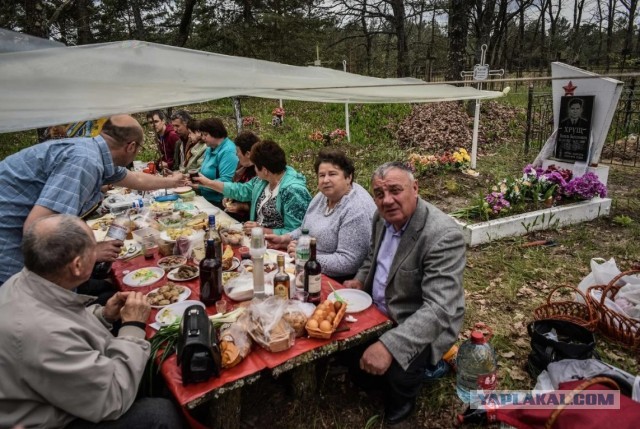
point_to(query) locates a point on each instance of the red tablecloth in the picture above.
(259, 359)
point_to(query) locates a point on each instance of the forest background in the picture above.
(428, 39)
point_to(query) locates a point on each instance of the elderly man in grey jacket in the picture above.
(414, 273)
(59, 364)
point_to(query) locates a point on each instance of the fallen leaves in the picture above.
(516, 373)
(444, 127)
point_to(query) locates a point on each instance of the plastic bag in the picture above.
(267, 327)
(235, 343)
(186, 245)
(240, 288)
(602, 272)
(296, 314)
(628, 298)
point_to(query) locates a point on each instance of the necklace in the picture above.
(328, 211)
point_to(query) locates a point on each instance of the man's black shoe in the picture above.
(398, 413)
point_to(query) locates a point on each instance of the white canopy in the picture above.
(52, 86)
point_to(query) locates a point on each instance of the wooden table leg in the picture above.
(225, 410)
(304, 381)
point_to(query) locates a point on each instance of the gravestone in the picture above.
(575, 144)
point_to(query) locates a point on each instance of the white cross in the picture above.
(480, 72)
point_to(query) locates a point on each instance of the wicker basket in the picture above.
(583, 314)
(613, 325)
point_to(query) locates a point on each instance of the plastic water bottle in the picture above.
(121, 207)
(477, 368)
(303, 250)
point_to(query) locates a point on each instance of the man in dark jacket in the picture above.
(166, 138)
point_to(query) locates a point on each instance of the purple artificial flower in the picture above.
(556, 177)
(497, 202)
(585, 187)
(531, 171)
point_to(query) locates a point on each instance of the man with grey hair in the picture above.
(59, 364)
(65, 176)
(414, 273)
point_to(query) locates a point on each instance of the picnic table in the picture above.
(223, 392)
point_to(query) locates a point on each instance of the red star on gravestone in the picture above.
(569, 88)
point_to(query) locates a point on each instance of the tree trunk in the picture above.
(185, 23)
(611, 11)
(458, 27)
(399, 20)
(484, 24)
(368, 38)
(237, 110)
(35, 23)
(84, 22)
(575, 41)
(631, 6)
(140, 33)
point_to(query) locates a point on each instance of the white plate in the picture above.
(172, 275)
(186, 292)
(130, 248)
(137, 278)
(178, 261)
(170, 313)
(272, 256)
(357, 300)
(235, 263)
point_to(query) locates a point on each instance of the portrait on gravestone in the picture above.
(574, 130)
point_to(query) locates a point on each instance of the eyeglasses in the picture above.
(139, 145)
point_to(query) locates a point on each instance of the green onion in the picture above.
(335, 293)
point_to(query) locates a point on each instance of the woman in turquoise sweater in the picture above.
(220, 158)
(278, 194)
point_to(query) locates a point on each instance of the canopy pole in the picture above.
(476, 126)
(346, 108)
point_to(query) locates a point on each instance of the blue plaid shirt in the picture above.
(64, 176)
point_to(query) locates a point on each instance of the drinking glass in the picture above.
(221, 306)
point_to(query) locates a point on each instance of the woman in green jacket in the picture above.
(278, 194)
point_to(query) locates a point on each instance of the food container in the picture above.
(323, 307)
(231, 236)
(165, 248)
(187, 196)
(172, 221)
(144, 235)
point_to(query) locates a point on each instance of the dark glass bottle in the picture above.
(210, 276)
(215, 236)
(312, 274)
(281, 281)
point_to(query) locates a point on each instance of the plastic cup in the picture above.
(193, 173)
(245, 252)
(221, 306)
(301, 295)
(149, 249)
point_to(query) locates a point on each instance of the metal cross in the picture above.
(480, 72)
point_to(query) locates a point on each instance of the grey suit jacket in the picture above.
(424, 292)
